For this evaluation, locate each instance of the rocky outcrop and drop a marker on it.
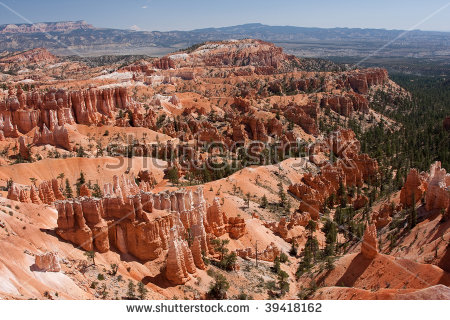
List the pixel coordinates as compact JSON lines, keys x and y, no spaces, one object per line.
{"x":59,"y":137}
{"x":248,"y":52}
{"x":84,"y":191}
{"x":37,"y":55}
{"x":49,"y":191}
{"x":146,"y":224}
{"x":18,"y":193}
{"x":360,"y":201}
{"x":50,"y":111}
{"x":197,"y":254}
{"x":299,"y":116}
{"x":34,"y":195}
{"x":438,"y":196}
{"x":414,"y":188}
{"x":349,"y":169}
{"x":268,"y":254}
{"x":81,"y":221}
{"x":180,"y":262}
{"x":361,"y":80}
{"x":383,"y":216}
{"x":236,"y":227}
{"x":47,"y":262}
{"x":216,"y":218}
{"x":369,"y":246}
{"x":24,"y":150}
{"x":347,"y":104}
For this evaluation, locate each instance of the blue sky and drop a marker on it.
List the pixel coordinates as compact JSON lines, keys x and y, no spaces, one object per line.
{"x":166,"y":15}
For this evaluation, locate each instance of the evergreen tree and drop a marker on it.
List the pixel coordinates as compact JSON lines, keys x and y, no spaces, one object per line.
{"x":173,"y":175}
{"x":264,"y":202}
{"x":142,"y":290}
{"x":96,"y":191}
{"x":131,"y":290}
{"x":281,"y":194}
{"x":80,"y":181}
{"x":68,"y":190}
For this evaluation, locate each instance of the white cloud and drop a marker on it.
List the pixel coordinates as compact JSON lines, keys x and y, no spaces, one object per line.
{"x":144,"y":7}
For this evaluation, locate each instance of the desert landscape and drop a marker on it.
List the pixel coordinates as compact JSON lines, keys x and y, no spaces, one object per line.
{"x":226,"y":170}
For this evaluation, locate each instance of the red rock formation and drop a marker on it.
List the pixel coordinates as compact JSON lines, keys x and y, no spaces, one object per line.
{"x":164,"y":63}
{"x":360,"y":201}
{"x":275,"y":127}
{"x":369,"y":246}
{"x":147,"y":177}
{"x":179,"y":261}
{"x":262,"y":55}
{"x":216,"y":218}
{"x":139,"y":222}
{"x":362,"y":80}
{"x":34,"y":195}
{"x":269,"y":254}
{"x":197,"y":254}
{"x":17,"y":193}
{"x":297,"y":115}
{"x":51,"y":110}
{"x":46,"y":192}
{"x":414,"y":188}
{"x":438,"y":196}
{"x":24,"y":151}
{"x":346,"y":104}
{"x":59,"y":137}
{"x":37,"y":55}
{"x":81,"y":222}
{"x":350,"y":169}
{"x":236,"y":227}
{"x":384,"y":216}
{"x":47,"y":262}
{"x":84,"y":191}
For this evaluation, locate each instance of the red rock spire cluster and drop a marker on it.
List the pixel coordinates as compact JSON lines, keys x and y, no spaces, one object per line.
{"x":147,"y":225}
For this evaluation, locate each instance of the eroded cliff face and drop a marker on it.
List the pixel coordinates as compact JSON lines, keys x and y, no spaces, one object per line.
{"x":21,"y":112}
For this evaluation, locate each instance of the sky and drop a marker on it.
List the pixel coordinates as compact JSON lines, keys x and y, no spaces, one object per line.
{"x":165,"y":15}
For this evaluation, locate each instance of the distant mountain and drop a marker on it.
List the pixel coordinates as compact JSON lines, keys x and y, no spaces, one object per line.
{"x":62,"y":26}
{"x":81,"y":38}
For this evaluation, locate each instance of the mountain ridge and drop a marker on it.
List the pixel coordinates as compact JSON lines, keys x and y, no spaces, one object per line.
{"x":81,"y":38}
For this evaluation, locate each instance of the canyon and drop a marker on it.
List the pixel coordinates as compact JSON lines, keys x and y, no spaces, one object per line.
{"x":228,"y":158}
